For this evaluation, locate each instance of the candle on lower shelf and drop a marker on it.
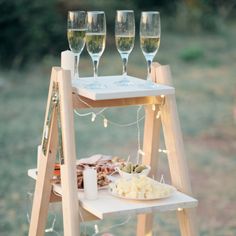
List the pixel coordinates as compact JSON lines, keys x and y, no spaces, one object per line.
{"x":90,"y":184}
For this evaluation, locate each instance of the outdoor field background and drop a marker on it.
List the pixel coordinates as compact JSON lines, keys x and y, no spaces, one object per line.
{"x":203,"y":65}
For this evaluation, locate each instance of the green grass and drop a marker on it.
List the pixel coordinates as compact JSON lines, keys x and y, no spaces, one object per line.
{"x":206,"y":99}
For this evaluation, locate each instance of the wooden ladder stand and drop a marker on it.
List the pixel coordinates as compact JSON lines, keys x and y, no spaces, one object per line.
{"x":59,"y":132}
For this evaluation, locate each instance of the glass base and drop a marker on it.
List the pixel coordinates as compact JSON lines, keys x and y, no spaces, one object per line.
{"x":148,"y":84}
{"x":76,"y":77}
{"x":95,"y":85}
{"x":123,"y":82}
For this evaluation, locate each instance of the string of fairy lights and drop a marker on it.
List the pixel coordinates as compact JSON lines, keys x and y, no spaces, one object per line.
{"x":106,"y":122}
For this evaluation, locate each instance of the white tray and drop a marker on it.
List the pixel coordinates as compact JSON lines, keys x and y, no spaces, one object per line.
{"x":139,"y":88}
{"x":107,"y":205}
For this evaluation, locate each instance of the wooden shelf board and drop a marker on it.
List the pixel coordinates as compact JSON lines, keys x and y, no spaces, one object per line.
{"x":139,"y":88}
{"x":107,"y":205}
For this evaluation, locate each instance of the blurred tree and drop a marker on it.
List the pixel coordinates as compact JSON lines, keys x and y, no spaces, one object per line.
{"x":109,"y":7}
{"x":198,"y":15}
{"x":168,"y":6}
{"x":29,"y":29}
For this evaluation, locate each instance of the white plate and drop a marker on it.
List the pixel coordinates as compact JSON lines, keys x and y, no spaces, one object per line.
{"x":173,"y":189}
{"x":110,"y":89}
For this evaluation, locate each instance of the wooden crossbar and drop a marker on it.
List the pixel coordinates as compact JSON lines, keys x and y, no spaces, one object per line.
{"x":83,"y":102}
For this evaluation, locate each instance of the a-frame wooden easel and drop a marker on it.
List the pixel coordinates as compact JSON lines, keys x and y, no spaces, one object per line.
{"x":59,"y":136}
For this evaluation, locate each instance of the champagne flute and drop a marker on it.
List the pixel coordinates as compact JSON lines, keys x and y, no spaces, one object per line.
{"x":150,"y":32}
{"x":124,"y":35}
{"x":76,"y":29}
{"x":95,"y":41}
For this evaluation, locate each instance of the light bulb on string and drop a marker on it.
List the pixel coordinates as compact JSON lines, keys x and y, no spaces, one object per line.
{"x":93,"y":117}
{"x":141,"y":152}
{"x":105,"y":122}
{"x":153,"y":107}
{"x":46,"y":132}
{"x":162,"y":180}
{"x":158,"y":115}
{"x":163,"y":151}
{"x":96,"y":229}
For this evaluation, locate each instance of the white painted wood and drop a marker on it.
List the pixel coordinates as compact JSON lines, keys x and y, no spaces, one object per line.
{"x":107,"y":205}
{"x":141,"y":88}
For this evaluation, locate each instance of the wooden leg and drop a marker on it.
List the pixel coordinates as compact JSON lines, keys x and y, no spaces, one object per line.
{"x":43,"y":185}
{"x":151,"y":139}
{"x":53,"y":79}
{"x":45,"y":166}
{"x":70,"y":204}
{"x":176,"y":155}
{"x":144,"y":225}
{"x":87,"y":216}
{"x":187,"y":221}
{"x":150,"y":147}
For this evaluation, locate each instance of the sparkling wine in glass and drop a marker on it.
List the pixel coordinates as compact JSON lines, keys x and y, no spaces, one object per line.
{"x":125,"y":36}
{"x":76,"y":30}
{"x":150,"y":32}
{"x":96,"y":40}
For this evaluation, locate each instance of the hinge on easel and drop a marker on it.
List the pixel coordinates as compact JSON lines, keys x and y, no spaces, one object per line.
{"x":60,"y":141}
{"x":54,"y":105}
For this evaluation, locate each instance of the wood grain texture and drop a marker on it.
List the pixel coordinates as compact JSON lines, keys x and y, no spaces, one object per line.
{"x":43,"y":184}
{"x":85,"y":215}
{"x":70,"y":203}
{"x":53,"y":79}
{"x":144,"y":225}
{"x":80,"y":101}
{"x":151,"y":141}
{"x":176,"y":154}
{"x":139,"y":88}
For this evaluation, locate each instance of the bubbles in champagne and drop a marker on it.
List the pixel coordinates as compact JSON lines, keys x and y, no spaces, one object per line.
{"x":124,"y":43}
{"x":76,"y":39}
{"x":149,"y":44}
{"x":95,"y":43}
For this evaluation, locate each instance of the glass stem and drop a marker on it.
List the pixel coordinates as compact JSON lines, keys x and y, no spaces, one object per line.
{"x":149,"y":63}
{"x":76,"y":72}
{"x":95,"y":68}
{"x":125,"y":62}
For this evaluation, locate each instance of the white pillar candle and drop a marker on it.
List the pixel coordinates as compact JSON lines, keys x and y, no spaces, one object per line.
{"x":68,"y":61}
{"x":90,"y":184}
